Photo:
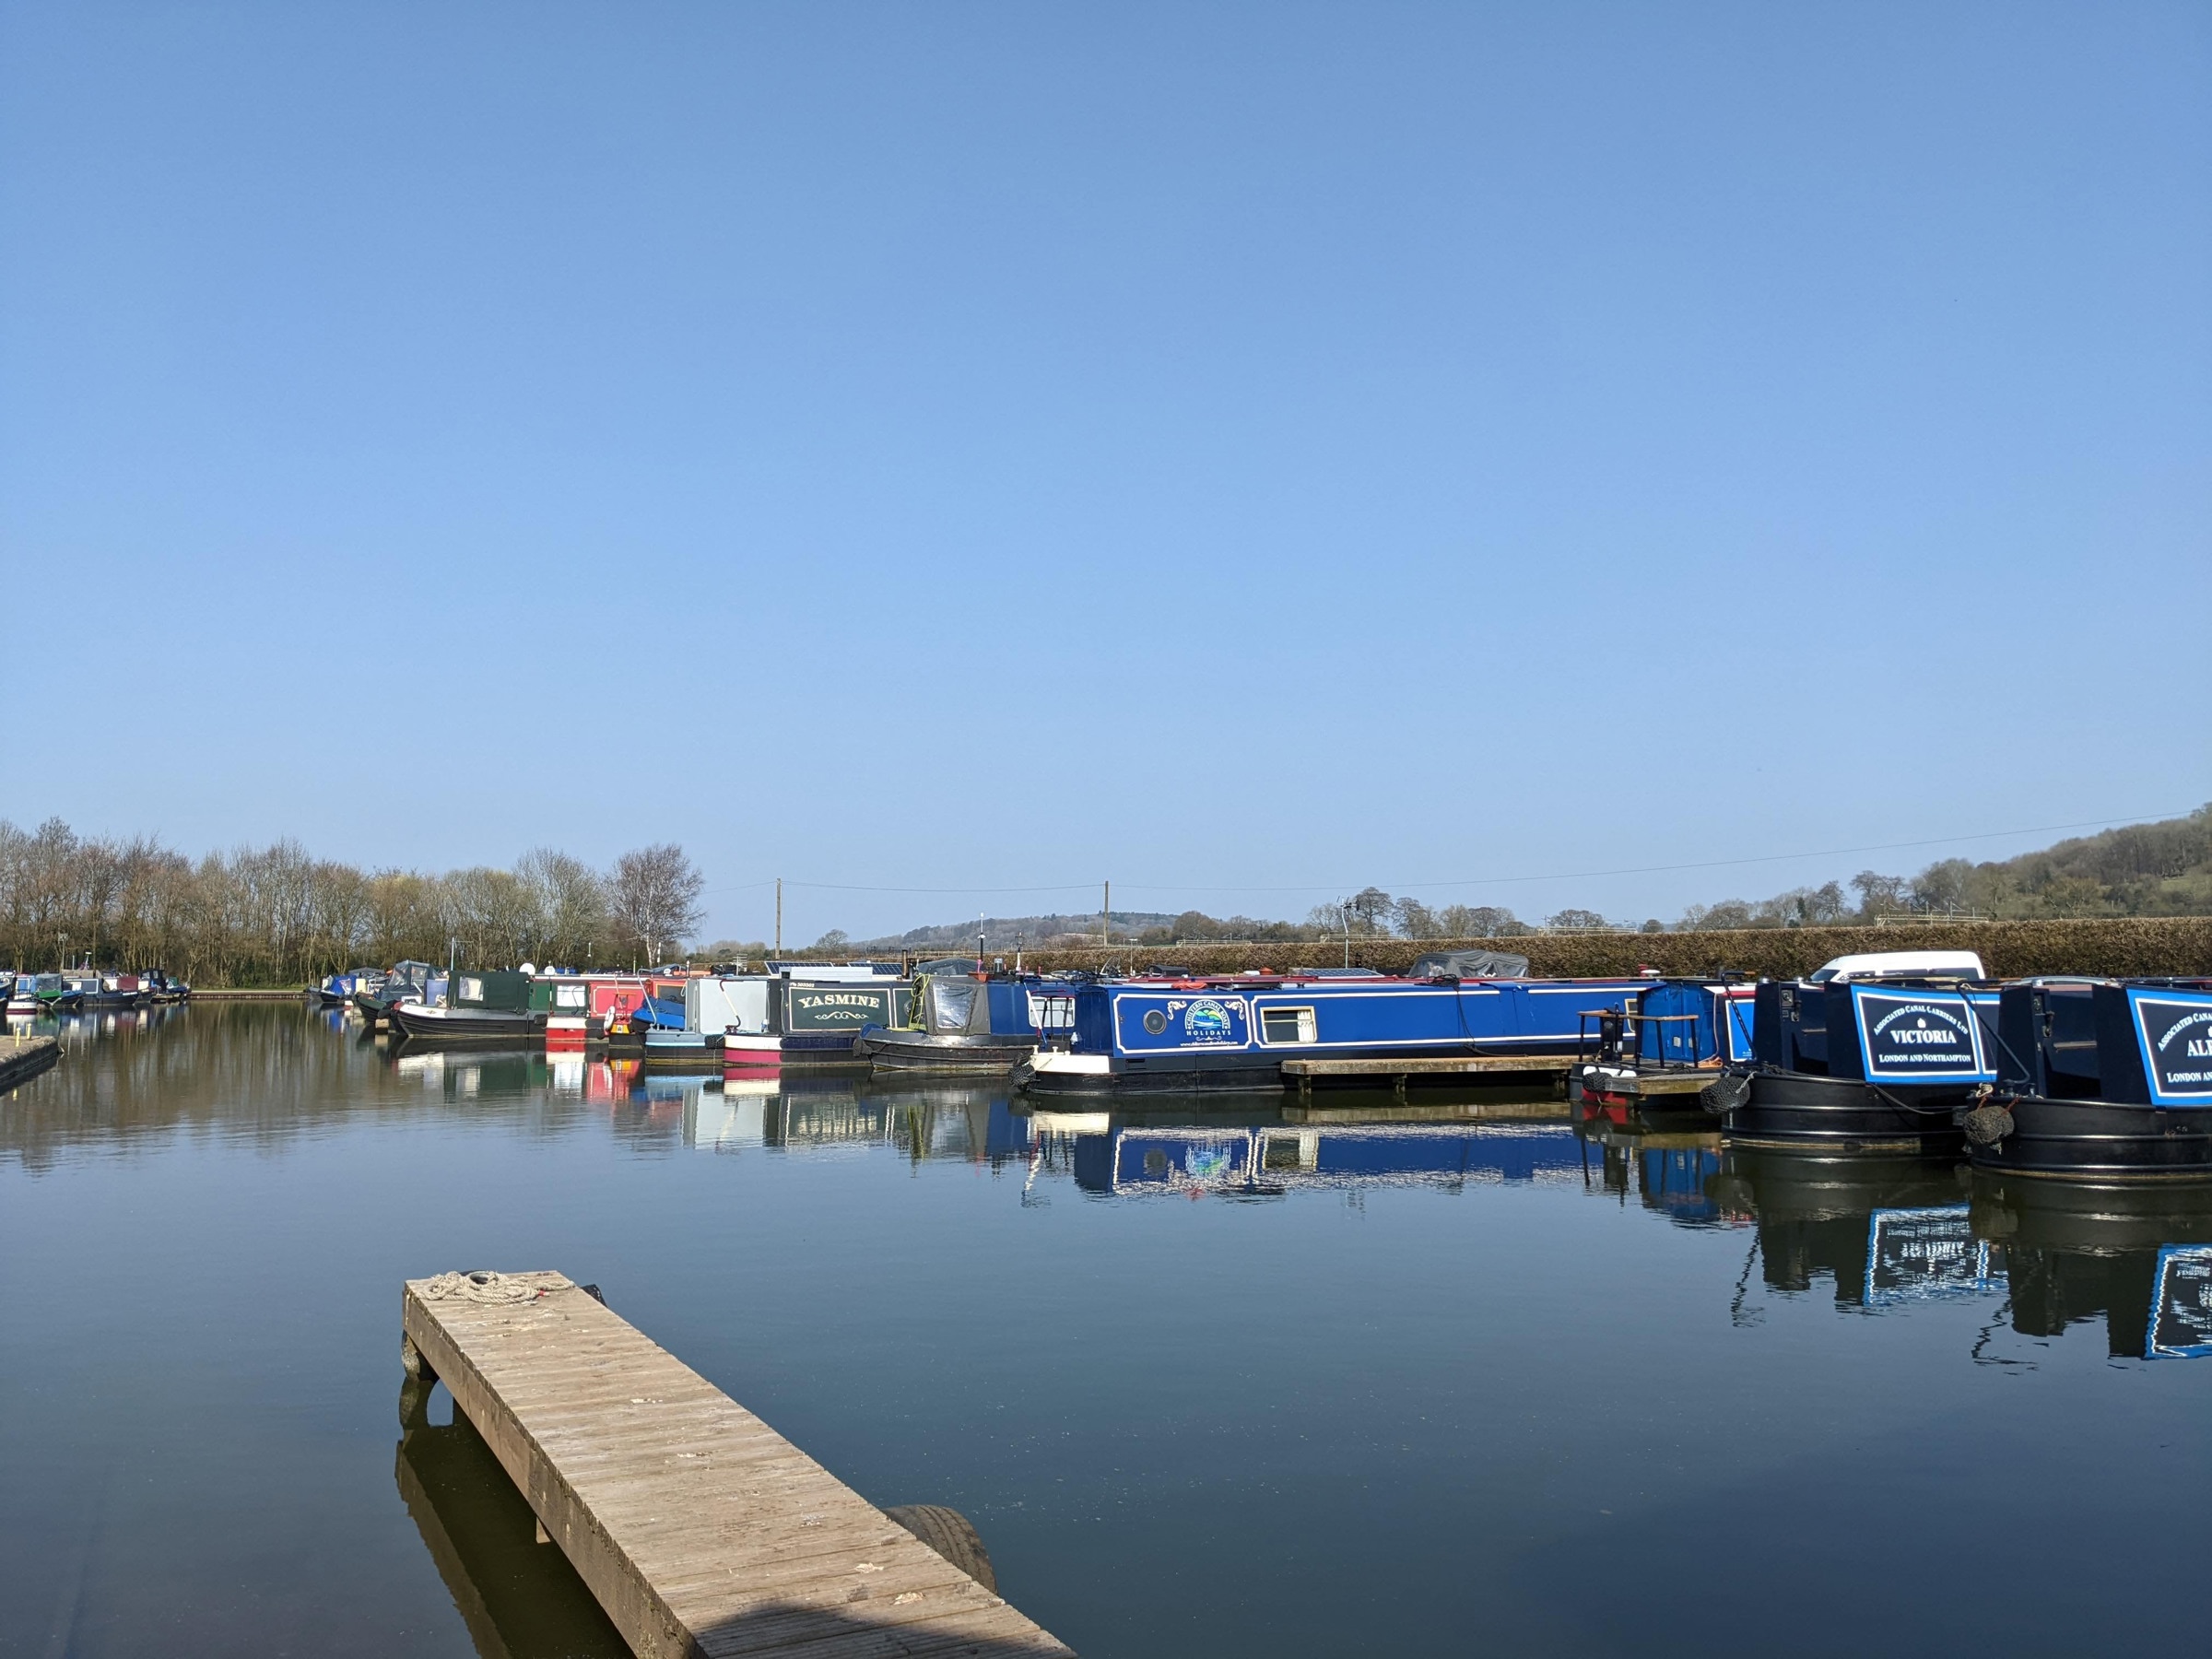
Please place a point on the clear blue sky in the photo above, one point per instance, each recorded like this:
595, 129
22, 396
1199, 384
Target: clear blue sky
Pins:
1212, 447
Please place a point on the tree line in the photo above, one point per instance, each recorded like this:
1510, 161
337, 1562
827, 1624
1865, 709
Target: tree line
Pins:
278, 915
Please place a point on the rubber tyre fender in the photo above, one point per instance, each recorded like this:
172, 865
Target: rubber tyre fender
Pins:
1725, 1095
948, 1533
1986, 1125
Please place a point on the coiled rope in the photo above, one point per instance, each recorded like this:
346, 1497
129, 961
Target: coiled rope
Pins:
498, 1289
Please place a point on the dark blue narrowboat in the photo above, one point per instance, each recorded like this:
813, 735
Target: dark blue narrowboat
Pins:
1851, 1066
973, 1023
1233, 1033
2101, 1079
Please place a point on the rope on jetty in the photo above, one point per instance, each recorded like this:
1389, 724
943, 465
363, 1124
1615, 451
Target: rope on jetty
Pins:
496, 1288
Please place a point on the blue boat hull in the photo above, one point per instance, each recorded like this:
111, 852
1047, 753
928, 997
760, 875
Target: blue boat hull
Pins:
1232, 1036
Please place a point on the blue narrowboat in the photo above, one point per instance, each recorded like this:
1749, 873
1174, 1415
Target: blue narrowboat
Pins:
1860, 1066
2100, 1080
1233, 1033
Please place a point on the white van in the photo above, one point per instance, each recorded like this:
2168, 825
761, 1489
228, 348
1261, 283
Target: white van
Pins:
1903, 964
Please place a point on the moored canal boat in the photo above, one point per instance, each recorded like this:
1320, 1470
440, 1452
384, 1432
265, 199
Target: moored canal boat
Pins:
575, 1010
485, 1007
407, 982
64, 992
29, 995
2100, 1080
973, 1024
1859, 1066
1232, 1033
810, 1014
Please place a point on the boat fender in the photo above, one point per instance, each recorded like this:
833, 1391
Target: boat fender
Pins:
1986, 1125
1725, 1095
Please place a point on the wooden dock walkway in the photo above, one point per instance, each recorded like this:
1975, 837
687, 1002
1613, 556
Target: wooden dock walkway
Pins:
700, 1529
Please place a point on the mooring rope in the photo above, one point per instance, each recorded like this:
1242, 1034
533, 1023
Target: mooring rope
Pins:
496, 1288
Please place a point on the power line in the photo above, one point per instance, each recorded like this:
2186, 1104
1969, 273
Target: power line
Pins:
1319, 887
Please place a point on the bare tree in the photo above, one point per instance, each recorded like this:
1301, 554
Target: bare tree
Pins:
571, 904
654, 897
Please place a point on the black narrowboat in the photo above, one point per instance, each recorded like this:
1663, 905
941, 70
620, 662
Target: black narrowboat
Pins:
2100, 1080
480, 1007
1853, 1066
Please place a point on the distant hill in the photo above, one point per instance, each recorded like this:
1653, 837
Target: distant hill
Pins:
2162, 869
1000, 933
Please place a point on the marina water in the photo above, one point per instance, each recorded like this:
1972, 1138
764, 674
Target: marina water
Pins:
1436, 1378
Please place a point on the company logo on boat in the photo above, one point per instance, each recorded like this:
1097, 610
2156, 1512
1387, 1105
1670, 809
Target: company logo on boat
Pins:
1907, 1038
2174, 1030
1206, 1019
1193, 1022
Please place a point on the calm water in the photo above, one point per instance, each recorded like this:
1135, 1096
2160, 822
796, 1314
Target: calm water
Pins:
1206, 1385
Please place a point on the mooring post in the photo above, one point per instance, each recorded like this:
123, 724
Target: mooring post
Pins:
414, 1387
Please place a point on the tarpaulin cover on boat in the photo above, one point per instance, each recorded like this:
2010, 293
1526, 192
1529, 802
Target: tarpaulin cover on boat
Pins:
1469, 964
952, 1004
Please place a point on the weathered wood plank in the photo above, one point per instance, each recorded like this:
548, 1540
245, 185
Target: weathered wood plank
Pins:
698, 1528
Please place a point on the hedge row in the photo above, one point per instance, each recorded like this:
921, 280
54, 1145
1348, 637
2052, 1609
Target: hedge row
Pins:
2120, 947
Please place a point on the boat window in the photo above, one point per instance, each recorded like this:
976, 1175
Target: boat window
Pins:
568, 996
472, 989
1287, 1025
1051, 1013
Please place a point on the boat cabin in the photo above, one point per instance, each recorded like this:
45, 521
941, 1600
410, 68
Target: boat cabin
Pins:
498, 991
1882, 1031
1691, 1022
2141, 1043
998, 1005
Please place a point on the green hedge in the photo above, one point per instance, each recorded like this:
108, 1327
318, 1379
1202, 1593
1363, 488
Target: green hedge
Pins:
2121, 947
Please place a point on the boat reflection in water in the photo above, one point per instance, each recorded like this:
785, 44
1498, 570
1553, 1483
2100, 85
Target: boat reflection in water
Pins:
1886, 1231
2139, 1257
1882, 1228
1891, 1231
1669, 1169
519, 1598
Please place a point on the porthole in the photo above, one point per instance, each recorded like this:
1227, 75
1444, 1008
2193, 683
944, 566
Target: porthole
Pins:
1155, 1022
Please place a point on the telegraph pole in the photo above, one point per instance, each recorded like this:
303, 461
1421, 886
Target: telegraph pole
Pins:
779, 915
1106, 917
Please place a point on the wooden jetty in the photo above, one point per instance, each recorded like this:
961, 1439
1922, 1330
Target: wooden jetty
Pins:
23, 1058
1552, 1068
1679, 1084
700, 1529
